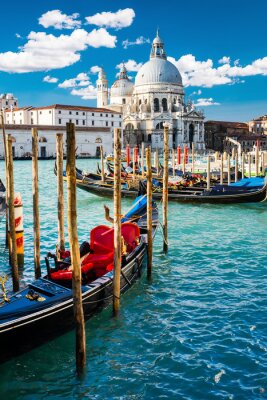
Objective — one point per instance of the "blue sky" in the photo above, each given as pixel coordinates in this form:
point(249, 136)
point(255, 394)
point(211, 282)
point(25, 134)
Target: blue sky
point(219, 47)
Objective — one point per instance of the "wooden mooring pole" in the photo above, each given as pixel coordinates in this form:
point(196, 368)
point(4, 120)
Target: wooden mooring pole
point(11, 217)
point(102, 164)
point(257, 159)
point(221, 172)
point(193, 158)
point(208, 172)
point(236, 167)
point(143, 159)
point(243, 166)
point(5, 157)
point(74, 250)
point(249, 165)
point(117, 222)
point(149, 213)
point(165, 187)
point(36, 216)
point(228, 169)
point(173, 163)
point(60, 192)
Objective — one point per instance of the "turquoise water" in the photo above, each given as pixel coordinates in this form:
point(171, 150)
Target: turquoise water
point(197, 331)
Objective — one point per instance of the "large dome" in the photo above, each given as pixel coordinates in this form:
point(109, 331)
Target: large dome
point(158, 70)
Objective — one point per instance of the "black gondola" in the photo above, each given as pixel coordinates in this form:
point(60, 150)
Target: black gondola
point(44, 309)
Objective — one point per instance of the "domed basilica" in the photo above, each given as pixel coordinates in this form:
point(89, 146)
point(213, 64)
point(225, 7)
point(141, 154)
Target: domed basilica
point(156, 97)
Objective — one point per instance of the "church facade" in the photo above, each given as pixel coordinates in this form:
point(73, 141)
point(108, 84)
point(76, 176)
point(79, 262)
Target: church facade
point(157, 97)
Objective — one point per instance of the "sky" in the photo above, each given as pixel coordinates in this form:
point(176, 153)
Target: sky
point(50, 52)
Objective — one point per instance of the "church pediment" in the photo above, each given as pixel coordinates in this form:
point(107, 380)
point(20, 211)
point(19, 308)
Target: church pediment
point(163, 117)
point(193, 114)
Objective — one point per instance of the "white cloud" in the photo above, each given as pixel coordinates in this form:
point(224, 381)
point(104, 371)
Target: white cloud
point(205, 102)
point(117, 20)
point(50, 79)
point(224, 60)
point(140, 40)
point(58, 20)
point(43, 52)
point(86, 93)
point(81, 79)
point(205, 74)
point(18, 36)
point(131, 66)
point(95, 69)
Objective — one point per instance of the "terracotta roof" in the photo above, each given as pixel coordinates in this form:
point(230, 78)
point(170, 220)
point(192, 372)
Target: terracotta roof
point(18, 108)
point(261, 118)
point(228, 124)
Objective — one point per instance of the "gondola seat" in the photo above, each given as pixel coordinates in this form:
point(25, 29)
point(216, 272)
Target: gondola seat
point(100, 259)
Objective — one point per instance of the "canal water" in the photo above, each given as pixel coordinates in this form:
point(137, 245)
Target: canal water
point(197, 331)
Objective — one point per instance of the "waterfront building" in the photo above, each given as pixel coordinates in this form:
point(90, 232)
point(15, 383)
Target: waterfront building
point(7, 100)
point(156, 97)
point(216, 133)
point(94, 127)
point(259, 125)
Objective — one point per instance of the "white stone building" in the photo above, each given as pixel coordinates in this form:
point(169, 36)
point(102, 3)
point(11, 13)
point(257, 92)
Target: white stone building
point(258, 125)
point(94, 127)
point(7, 100)
point(156, 97)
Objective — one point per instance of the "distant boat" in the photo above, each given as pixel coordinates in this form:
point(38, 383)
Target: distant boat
point(251, 190)
point(44, 309)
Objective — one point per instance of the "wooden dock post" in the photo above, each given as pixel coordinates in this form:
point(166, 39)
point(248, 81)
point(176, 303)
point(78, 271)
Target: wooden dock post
point(157, 162)
point(193, 158)
point(117, 222)
point(173, 163)
point(149, 213)
point(257, 159)
point(221, 172)
point(165, 187)
point(102, 164)
point(179, 156)
point(243, 166)
point(19, 229)
point(5, 157)
point(249, 165)
point(36, 216)
point(236, 167)
point(208, 172)
point(143, 159)
point(60, 191)
point(74, 250)
point(228, 169)
point(11, 217)
point(128, 155)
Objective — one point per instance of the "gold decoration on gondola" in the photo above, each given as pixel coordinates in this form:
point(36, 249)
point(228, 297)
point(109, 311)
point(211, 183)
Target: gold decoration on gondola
point(3, 281)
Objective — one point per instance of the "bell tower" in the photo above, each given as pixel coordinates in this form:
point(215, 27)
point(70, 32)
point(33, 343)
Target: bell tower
point(102, 89)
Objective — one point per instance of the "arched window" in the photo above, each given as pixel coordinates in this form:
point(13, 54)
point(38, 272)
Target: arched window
point(129, 127)
point(42, 139)
point(160, 125)
point(164, 104)
point(156, 105)
point(140, 102)
point(174, 100)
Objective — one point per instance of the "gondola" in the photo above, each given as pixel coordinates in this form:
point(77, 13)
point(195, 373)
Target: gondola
point(44, 309)
point(219, 194)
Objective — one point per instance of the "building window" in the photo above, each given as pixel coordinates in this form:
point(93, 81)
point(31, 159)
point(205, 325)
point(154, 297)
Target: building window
point(50, 111)
point(59, 111)
point(70, 120)
point(164, 104)
point(77, 122)
point(112, 123)
point(83, 113)
point(93, 123)
point(84, 122)
point(93, 114)
point(40, 112)
point(112, 115)
point(15, 103)
point(70, 112)
point(32, 121)
point(119, 124)
point(59, 121)
point(149, 138)
point(77, 113)
point(156, 104)
point(101, 115)
point(106, 123)
point(123, 101)
point(106, 115)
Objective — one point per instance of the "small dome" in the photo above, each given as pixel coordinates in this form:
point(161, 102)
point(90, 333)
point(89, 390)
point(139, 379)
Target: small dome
point(121, 87)
point(158, 70)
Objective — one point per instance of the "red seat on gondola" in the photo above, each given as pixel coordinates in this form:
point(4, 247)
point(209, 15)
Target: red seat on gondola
point(100, 260)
